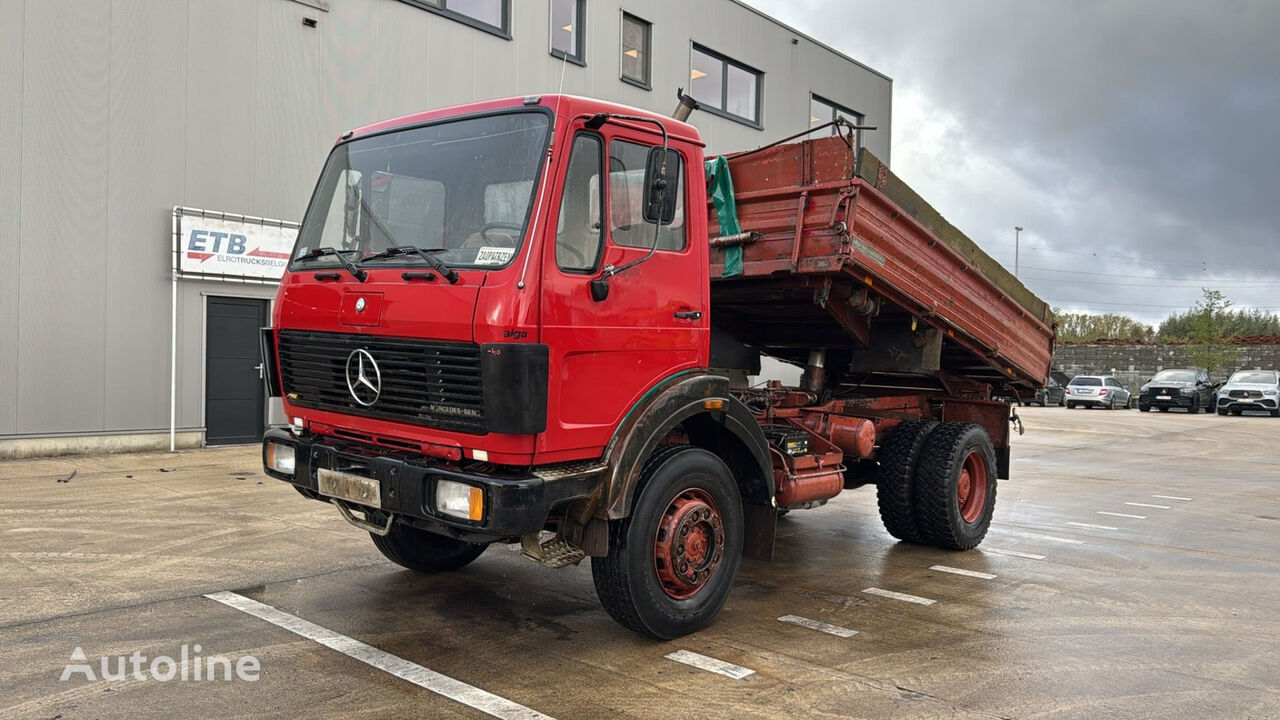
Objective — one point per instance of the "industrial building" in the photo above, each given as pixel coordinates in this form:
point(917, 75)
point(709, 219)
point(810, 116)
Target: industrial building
point(122, 123)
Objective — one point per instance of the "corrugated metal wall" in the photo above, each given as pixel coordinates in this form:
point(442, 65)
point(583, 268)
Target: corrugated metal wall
point(111, 113)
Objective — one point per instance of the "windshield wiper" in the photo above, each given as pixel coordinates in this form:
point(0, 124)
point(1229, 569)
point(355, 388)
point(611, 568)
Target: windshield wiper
point(426, 255)
point(351, 267)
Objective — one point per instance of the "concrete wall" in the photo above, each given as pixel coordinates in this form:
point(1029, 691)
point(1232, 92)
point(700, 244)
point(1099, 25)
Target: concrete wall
point(111, 113)
point(1135, 364)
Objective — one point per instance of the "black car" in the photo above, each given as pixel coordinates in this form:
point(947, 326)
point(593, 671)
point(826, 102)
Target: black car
point(1184, 388)
point(1053, 393)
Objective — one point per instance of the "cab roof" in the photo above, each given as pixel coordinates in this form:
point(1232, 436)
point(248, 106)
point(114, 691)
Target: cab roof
point(563, 106)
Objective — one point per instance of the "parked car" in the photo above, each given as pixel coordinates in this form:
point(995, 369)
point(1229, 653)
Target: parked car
point(1096, 390)
point(1250, 390)
point(1054, 393)
point(1185, 388)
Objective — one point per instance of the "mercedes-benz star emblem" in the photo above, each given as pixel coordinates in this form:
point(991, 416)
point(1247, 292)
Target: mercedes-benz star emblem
point(359, 304)
point(364, 380)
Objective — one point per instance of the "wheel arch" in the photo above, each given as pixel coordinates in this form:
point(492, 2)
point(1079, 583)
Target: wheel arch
point(701, 405)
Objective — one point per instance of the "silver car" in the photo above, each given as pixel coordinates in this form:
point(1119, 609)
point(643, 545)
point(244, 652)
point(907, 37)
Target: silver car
point(1250, 390)
point(1096, 391)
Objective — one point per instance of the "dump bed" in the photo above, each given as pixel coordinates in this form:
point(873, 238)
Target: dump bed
point(839, 254)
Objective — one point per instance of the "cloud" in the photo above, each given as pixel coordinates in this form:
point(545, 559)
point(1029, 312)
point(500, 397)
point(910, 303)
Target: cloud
point(1136, 142)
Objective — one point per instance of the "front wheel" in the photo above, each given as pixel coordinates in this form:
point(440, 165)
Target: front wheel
point(956, 486)
point(1222, 411)
point(424, 551)
point(1144, 408)
point(672, 561)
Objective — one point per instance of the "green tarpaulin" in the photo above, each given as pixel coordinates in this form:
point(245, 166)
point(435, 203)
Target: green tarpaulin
point(720, 187)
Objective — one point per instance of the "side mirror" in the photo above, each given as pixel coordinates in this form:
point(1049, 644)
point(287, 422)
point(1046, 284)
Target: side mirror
point(599, 290)
point(661, 175)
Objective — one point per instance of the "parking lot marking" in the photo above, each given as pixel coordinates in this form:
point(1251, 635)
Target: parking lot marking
point(827, 628)
point(1013, 553)
point(1055, 538)
point(1158, 507)
point(710, 664)
point(1095, 527)
point(1115, 514)
point(899, 596)
point(1172, 497)
point(457, 690)
point(962, 571)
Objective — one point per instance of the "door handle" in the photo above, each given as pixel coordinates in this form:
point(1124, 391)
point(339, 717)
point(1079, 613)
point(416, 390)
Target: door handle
point(688, 314)
point(258, 367)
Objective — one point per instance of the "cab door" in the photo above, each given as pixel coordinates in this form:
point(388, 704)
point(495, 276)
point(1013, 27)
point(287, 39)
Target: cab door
point(606, 354)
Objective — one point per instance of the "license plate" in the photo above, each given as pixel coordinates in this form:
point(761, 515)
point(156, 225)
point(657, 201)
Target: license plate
point(1163, 397)
point(353, 488)
point(1246, 399)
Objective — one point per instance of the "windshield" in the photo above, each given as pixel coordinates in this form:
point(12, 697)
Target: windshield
point(1091, 381)
point(1174, 376)
point(1264, 377)
point(462, 189)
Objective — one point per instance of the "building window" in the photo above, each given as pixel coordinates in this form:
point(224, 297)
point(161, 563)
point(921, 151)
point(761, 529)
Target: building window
point(824, 111)
point(724, 86)
point(636, 39)
point(489, 15)
point(568, 30)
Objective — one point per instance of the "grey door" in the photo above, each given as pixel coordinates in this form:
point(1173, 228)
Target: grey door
point(233, 396)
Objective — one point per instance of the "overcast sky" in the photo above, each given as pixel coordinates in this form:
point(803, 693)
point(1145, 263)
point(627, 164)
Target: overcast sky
point(1134, 141)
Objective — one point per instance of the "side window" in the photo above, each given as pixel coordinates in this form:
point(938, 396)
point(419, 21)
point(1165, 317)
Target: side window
point(626, 200)
point(579, 228)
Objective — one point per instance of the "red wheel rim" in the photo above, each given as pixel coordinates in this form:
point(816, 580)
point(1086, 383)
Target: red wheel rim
point(688, 544)
point(971, 487)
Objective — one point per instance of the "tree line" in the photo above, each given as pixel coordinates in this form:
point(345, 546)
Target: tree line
point(1211, 320)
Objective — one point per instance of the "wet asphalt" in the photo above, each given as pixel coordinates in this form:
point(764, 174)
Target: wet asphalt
point(1136, 564)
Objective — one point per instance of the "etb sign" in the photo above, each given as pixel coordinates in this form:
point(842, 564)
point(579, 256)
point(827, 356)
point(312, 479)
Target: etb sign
point(225, 247)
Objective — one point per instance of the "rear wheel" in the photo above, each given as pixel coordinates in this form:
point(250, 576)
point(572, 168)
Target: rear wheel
point(1208, 407)
point(1071, 406)
point(424, 551)
point(895, 478)
point(672, 562)
point(956, 486)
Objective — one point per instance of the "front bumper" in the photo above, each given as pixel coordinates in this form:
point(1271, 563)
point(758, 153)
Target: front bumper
point(1172, 401)
point(515, 504)
point(1263, 403)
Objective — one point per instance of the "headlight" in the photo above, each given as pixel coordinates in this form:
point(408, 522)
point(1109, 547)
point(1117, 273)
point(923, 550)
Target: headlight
point(460, 500)
point(1144, 389)
point(281, 458)
point(1268, 392)
point(1188, 391)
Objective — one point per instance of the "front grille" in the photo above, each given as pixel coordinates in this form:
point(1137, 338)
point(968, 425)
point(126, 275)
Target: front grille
point(1245, 393)
point(1165, 391)
point(424, 382)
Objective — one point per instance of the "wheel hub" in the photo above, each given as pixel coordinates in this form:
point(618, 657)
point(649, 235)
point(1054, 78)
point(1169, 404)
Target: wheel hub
point(689, 543)
point(971, 487)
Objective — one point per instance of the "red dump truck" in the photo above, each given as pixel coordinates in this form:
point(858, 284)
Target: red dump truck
point(535, 320)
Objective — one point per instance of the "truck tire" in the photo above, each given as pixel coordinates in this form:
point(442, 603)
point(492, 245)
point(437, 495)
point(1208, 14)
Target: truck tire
point(672, 561)
point(424, 551)
point(895, 478)
point(956, 486)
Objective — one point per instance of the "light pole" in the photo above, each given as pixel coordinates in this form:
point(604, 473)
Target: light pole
point(1017, 230)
